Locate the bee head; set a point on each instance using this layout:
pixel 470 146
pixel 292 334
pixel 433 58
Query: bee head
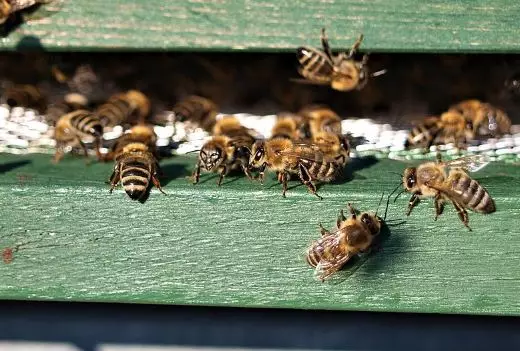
pixel 371 222
pixel 257 158
pixel 410 178
pixel 211 156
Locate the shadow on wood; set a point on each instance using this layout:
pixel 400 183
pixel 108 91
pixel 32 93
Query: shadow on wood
pixel 7 167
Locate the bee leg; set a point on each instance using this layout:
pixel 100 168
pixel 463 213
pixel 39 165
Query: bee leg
pixel 341 218
pixel 352 211
pixel 325 44
pixel 463 214
pixel 414 201
pixel 58 155
pixel 221 176
pixel 439 205
pixel 355 47
pixel 246 172
pixel 306 179
pixel 282 178
pixel 323 231
pixel 97 145
pixel 157 183
pixel 438 156
pixel 195 177
pixel 83 147
pixel 114 178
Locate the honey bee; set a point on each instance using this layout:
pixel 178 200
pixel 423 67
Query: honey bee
pixel 25 95
pixel 424 133
pixel 318 118
pixel 140 133
pixel 71 102
pixel 432 179
pixel 135 166
pixel 483 118
pixel 333 146
pixel 342 72
pixel 288 158
pixel 197 110
pixel 228 150
pixel 72 127
pixel 120 108
pixel 351 236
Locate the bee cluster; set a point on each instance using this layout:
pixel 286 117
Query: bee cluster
pixel 313 144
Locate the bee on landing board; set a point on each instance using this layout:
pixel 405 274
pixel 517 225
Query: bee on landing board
pixel 287 126
pixel 197 110
pixel 333 146
pixel 72 127
pixel 342 72
pixel 482 118
pixel 135 167
pixel 318 118
pixel 288 158
pixel 123 107
pixel 351 237
pixel 228 150
pixel 432 179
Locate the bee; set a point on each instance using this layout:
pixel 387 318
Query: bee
pixel 432 179
pixel 483 118
pixel 228 150
pixel 140 133
pixel 197 110
pixel 287 126
pixel 71 102
pixel 424 133
pixel 121 108
pixel 288 158
pixel 25 95
pixel 342 72
pixel 450 127
pixel 318 118
pixel 135 166
pixel 10 7
pixel 352 236
pixel 333 146
pixel 72 127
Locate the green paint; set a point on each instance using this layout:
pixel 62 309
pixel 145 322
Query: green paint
pixel 266 25
pixel 241 244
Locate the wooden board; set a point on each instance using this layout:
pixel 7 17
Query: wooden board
pixel 388 25
pixel 241 244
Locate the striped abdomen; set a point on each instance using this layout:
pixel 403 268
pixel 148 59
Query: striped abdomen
pixel 114 112
pixel 135 176
pixel 86 122
pixel 424 133
pixel 472 194
pixel 321 168
pixel 319 249
pixel 314 64
pixel 198 110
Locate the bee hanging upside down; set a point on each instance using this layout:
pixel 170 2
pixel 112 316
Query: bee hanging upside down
pixel 432 179
pixel 352 236
pixel 342 72
pixel 286 158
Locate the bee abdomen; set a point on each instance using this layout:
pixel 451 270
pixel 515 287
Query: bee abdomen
pixel 114 112
pixel 87 123
pixel 313 63
pixel 314 254
pixel 423 133
pixel 135 179
pixel 473 195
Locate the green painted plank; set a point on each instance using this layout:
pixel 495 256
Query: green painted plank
pixel 241 244
pixel 388 25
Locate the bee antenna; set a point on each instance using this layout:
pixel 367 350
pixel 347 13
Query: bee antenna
pixel 192 151
pixel 386 208
pixel 397 196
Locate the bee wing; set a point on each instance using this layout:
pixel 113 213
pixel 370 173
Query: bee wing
pixel 326 268
pixel 452 195
pixel 471 163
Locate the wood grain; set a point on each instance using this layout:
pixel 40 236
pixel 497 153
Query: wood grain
pixel 266 25
pixel 241 245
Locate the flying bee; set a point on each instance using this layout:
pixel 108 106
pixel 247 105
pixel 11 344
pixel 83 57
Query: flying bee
pixel 432 179
pixel 197 110
pixel 342 72
pixel 140 133
pixel 135 166
pixel 122 108
pixel 351 237
pixel 25 95
pixel 287 158
pixel 72 127
pixel 228 150
pixel 483 118
pixel 318 118
pixel 333 146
